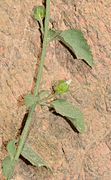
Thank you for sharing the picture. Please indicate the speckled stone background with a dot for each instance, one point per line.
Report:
(72, 156)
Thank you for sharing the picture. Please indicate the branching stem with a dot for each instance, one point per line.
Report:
(36, 90)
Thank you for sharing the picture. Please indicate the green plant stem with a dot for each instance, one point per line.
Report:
(45, 42)
(36, 90)
(24, 132)
(41, 27)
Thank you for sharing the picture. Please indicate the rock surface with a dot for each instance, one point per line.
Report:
(72, 156)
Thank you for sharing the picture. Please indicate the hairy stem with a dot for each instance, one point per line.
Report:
(36, 90)
(41, 27)
(24, 133)
(39, 76)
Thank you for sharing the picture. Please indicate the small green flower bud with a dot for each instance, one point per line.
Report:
(39, 13)
(61, 87)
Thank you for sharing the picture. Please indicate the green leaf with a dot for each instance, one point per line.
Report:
(8, 163)
(66, 109)
(32, 157)
(52, 34)
(76, 42)
(11, 148)
(7, 167)
(30, 100)
(39, 13)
